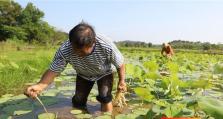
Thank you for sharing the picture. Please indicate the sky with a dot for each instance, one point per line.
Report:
(154, 21)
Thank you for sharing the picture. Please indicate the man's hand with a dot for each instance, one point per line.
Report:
(47, 78)
(33, 91)
(169, 56)
(122, 86)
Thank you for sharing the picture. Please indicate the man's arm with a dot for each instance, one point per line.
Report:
(162, 51)
(47, 78)
(117, 60)
(58, 64)
(171, 50)
(121, 74)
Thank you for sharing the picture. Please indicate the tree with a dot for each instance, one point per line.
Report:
(12, 32)
(30, 21)
(58, 37)
(206, 46)
(9, 13)
(30, 15)
(150, 44)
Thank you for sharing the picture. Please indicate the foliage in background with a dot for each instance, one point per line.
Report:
(176, 44)
(18, 68)
(26, 24)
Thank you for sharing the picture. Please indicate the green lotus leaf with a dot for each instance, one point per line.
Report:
(4, 116)
(47, 116)
(75, 111)
(83, 116)
(20, 112)
(211, 106)
(103, 117)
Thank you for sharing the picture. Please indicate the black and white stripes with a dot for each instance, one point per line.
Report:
(93, 66)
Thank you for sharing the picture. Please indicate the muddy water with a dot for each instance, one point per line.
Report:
(64, 105)
(63, 108)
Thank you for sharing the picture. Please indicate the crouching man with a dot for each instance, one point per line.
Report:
(91, 56)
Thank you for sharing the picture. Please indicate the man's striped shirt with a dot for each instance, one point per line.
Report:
(91, 67)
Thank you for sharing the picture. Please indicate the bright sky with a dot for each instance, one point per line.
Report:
(154, 21)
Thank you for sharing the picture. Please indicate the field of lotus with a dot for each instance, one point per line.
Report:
(188, 85)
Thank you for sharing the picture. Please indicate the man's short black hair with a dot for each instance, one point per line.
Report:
(82, 35)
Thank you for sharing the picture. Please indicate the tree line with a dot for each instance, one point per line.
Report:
(26, 24)
(133, 44)
(176, 44)
(181, 44)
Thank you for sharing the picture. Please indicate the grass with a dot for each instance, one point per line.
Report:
(21, 64)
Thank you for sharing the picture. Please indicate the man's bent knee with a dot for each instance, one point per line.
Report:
(78, 102)
(104, 99)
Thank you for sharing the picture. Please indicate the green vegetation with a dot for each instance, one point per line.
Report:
(20, 67)
(187, 76)
(25, 40)
(26, 24)
(188, 85)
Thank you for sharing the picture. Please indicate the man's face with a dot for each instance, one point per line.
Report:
(86, 50)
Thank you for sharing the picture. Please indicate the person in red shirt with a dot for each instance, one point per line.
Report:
(167, 50)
